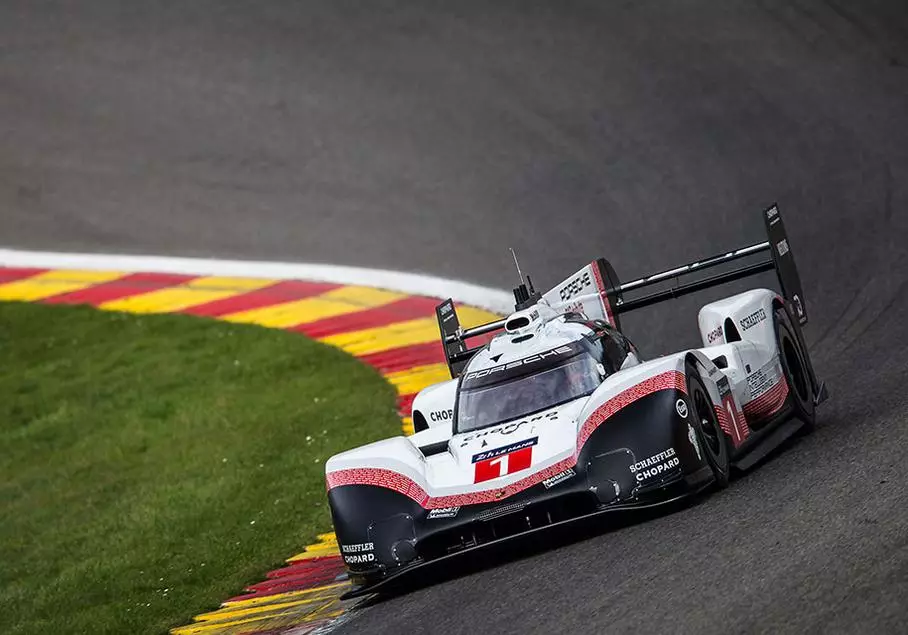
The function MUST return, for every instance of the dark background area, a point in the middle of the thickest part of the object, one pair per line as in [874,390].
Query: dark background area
[431,136]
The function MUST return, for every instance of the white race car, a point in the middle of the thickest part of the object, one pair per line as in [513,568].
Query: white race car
[558,418]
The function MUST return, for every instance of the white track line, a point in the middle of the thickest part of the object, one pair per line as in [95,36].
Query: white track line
[414,283]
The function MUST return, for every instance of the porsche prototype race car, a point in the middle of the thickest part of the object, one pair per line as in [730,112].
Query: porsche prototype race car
[558,418]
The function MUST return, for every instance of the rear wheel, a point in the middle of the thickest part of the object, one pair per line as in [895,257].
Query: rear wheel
[794,367]
[707,429]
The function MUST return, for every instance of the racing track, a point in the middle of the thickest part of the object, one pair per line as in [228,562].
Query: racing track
[432,136]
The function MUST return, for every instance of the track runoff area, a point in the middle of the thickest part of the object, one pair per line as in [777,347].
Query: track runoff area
[383,318]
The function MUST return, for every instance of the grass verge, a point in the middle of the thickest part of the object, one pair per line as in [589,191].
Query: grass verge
[150,466]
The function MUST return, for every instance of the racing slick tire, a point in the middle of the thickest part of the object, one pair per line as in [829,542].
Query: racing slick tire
[706,426]
[794,367]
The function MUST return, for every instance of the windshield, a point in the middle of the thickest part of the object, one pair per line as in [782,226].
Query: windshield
[488,405]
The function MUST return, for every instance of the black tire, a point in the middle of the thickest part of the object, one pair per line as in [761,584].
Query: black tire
[706,426]
[794,367]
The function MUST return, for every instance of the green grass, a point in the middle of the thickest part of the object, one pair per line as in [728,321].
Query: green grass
[151,466]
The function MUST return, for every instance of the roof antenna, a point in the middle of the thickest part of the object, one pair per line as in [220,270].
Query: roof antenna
[523,297]
[516,264]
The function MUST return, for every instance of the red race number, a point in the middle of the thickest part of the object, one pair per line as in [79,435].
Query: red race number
[500,461]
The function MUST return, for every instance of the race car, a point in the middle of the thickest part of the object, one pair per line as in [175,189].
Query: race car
[558,417]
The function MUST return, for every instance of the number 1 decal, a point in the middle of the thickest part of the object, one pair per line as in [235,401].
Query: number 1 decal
[501,461]
[728,403]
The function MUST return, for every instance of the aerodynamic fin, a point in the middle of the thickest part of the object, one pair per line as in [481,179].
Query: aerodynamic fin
[592,291]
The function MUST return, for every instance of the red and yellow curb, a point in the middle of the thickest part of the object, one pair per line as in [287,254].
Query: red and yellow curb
[394,332]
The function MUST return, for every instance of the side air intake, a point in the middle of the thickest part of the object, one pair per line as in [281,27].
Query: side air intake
[517,323]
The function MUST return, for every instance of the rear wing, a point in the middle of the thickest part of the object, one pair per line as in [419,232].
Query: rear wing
[780,258]
[596,292]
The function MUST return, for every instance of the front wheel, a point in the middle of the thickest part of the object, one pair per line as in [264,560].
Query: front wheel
[706,427]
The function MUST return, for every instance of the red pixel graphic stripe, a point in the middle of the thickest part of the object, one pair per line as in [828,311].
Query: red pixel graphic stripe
[737,433]
[603,297]
[671,380]
[769,402]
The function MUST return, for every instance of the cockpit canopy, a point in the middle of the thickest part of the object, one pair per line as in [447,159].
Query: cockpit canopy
[522,387]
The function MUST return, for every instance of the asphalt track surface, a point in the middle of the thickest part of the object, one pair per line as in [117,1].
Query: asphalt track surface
[431,136]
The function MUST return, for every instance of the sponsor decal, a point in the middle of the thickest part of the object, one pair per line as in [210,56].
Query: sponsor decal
[446,312]
[799,306]
[491,454]
[692,437]
[557,352]
[681,407]
[552,481]
[753,319]
[772,212]
[504,460]
[763,379]
[443,512]
[655,465]
[714,335]
[735,426]
[782,247]
[769,402]
[575,286]
[363,546]
[359,553]
[507,428]
[723,387]
[575,307]
[441,415]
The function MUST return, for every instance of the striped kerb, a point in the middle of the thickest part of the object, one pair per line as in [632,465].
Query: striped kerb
[393,332]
